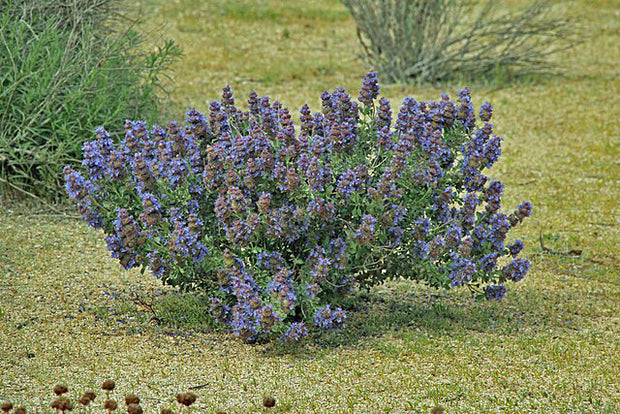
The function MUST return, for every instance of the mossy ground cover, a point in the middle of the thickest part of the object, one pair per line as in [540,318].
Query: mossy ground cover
[69,313]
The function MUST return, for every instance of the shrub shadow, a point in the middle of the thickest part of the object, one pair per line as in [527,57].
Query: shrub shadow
[400,307]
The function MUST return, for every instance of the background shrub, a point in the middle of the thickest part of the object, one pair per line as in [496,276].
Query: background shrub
[277,225]
[436,40]
[65,68]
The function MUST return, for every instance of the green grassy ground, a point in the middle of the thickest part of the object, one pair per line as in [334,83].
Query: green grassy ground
[68,312]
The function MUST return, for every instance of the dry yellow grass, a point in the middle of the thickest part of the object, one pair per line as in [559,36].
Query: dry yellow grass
[551,346]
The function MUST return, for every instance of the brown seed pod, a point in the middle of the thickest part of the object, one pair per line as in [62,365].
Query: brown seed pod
[84,401]
[62,404]
[55,404]
[134,409]
[108,385]
[20,410]
[87,398]
[186,398]
[60,389]
[269,402]
[6,407]
[437,410]
[132,399]
[67,406]
[109,405]
[190,398]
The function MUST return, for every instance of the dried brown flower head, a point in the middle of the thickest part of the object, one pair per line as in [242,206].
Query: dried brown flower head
[132,399]
[58,403]
[87,397]
[269,402]
[109,405]
[60,389]
[84,401]
[6,407]
[20,410]
[62,403]
[108,385]
[190,397]
[90,395]
[437,410]
[134,409]
[186,398]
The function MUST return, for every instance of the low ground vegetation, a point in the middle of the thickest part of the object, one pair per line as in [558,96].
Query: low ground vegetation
[68,314]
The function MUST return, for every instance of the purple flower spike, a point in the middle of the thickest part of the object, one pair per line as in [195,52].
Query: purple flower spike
[516,269]
[495,292]
[330,320]
[370,89]
[296,332]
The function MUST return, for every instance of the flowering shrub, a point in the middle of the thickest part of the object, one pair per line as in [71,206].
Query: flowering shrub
[279,223]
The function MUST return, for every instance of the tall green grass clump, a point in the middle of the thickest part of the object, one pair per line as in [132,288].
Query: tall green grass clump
[65,68]
[439,40]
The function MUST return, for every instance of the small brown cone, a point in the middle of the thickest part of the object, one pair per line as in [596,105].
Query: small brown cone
[60,389]
[65,404]
[190,398]
[186,398]
[108,385]
[269,402]
[6,407]
[62,403]
[109,405]
[20,410]
[132,399]
[134,409]
[90,395]
[87,398]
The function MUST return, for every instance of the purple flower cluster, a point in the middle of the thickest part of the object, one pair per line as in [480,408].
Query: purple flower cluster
[462,271]
[295,332]
[82,190]
[248,316]
[137,178]
[516,269]
[365,232]
[496,292]
[185,244]
[515,248]
[125,238]
[274,221]
[97,154]
[351,181]
[370,89]
[281,286]
[330,320]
